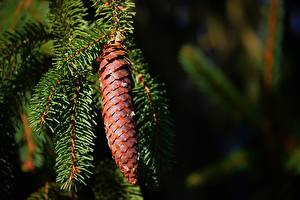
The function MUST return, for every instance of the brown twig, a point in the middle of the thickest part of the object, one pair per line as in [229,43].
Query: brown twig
[74,169]
[46,190]
[22,5]
[79,51]
[155,119]
[47,104]
[27,134]
[270,45]
[147,91]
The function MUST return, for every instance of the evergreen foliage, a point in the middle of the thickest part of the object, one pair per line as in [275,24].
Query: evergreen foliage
[75,134]
[114,185]
[63,103]
[154,125]
[21,54]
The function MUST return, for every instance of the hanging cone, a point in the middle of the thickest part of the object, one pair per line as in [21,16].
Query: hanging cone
[117,108]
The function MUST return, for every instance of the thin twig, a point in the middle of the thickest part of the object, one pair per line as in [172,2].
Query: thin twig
[270,45]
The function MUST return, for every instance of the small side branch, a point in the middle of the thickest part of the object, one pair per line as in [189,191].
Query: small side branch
[84,48]
[147,91]
[47,104]
[28,164]
[74,169]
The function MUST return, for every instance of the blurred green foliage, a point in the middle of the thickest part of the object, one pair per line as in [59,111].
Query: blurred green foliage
[17,12]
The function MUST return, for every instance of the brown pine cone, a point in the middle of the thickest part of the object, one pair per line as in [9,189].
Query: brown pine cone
[117,108]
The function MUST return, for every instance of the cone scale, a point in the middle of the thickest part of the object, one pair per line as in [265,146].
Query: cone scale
[117,108]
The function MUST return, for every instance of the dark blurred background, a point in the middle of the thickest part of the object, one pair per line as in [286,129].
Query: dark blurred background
[212,148]
[220,154]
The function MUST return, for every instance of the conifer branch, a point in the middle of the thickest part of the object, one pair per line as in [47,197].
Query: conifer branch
[16,47]
[74,100]
[155,137]
[74,144]
[115,15]
[41,100]
[54,94]
[48,102]
[66,19]
[83,45]
[109,183]
[83,49]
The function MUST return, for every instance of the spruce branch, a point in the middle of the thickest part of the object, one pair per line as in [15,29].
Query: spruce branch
[42,98]
[66,111]
[19,46]
[76,45]
[109,183]
[66,20]
[67,24]
[81,49]
[74,135]
[115,15]
[155,135]
[67,27]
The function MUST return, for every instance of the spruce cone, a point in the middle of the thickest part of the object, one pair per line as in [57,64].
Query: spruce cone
[117,108]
